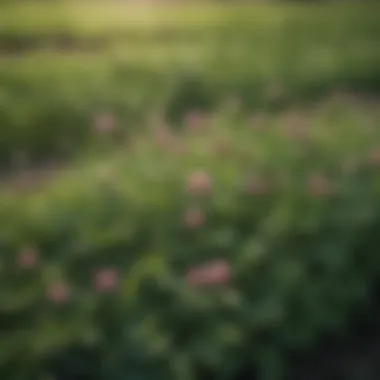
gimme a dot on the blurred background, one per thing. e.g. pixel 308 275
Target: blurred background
pixel 189 190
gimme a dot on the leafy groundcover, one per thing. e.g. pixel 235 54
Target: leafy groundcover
pixel 229 247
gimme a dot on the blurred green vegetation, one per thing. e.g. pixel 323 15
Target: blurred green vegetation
pixel 291 204
pixel 171 60
pixel 244 135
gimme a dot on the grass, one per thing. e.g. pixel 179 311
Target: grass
pixel 85 22
pixel 292 94
pixel 73 60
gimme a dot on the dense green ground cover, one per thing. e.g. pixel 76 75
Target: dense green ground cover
pixel 181 244
pixel 101 259
pixel 170 60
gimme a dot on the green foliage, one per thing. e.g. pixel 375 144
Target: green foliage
pixel 127 62
pixel 290 203
pixel 99 269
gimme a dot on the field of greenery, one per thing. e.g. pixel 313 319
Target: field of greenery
pixel 187 192
pixel 94 59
